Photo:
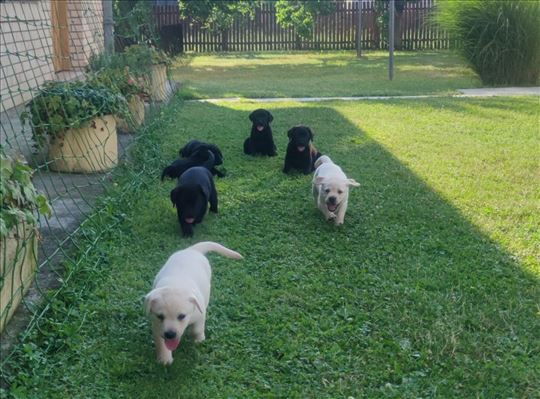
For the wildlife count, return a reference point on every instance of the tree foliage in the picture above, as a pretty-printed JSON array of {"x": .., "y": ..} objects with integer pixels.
[
  {"x": 218, "y": 15},
  {"x": 133, "y": 21},
  {"x": 215, "y": 14},
  {"x": 300, "y": 14}
]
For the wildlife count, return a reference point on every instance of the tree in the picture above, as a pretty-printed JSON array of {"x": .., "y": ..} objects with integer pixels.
[
  {"x": 216, "y": 15},
  {"x": 382, "y": 10},
  {"x": 300, "y": 14},
  {"x": 133, "y": 21}
]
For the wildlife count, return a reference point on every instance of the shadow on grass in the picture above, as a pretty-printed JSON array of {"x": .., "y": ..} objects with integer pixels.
[
  {"x": 415, "y": 299},
  {"x": 407, "y": 299}
]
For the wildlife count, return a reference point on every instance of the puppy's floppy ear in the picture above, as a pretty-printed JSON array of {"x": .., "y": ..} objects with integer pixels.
[
  {"x": 310, "y": 132},
  {"x": 290, "y": 132},
  {"x": 270, "y": 116},
  {"x": 149, "y": 301},
  {"x": 352, "y": 183},
  {"x": 318, "y": 180},
  {"x": 174, "y": 194},
  {"x": 205, "y": 191},
  {"x": 252, "y": 116},
  {"x": 193, "y": 299}
]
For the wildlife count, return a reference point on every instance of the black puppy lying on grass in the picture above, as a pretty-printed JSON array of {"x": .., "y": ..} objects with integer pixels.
[
  {"x": 195, "y": 153},
  {"x": 194, "y": 190},
  {"x": 195, "y": 146},
  {"x": 301, "y": 153},
  {"x": 201, "y": 157},
  {"x": 260, "y": 141}
]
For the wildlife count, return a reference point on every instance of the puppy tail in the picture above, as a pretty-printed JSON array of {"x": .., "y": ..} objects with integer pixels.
[
  {"x": 322, "y": 159},
  {"x": 209, "y": 246}
]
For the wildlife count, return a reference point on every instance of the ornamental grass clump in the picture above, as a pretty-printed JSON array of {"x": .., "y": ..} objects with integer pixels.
[{"x": 500, "y": 39}]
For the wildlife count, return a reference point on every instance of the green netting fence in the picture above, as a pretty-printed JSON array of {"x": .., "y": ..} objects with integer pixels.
[{"x": 69, "y": 116}]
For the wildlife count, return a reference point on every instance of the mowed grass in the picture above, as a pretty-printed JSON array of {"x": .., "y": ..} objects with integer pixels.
[
  {"x": 430, "y": 289},
  {"x": 324, "y": 74}
]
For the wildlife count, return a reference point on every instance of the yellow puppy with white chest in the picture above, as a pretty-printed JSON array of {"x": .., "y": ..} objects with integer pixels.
[
  {"x": 330, "y": 188},
  {"x": 180, "y": 296}
]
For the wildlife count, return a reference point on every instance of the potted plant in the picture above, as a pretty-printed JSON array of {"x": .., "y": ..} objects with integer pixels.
[
  {"x": 131, "y": 87},
  {"x": 21, "y": 206},
  {"x": 150, "y": 62},
  {"x": 76, "y": 120}
]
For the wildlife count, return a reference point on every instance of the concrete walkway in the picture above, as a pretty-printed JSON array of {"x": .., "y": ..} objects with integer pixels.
[{"x": 486, "y": 92}]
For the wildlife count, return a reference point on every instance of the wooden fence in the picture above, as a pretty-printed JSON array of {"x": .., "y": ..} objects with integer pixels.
[{"x": 336, "y": 31}]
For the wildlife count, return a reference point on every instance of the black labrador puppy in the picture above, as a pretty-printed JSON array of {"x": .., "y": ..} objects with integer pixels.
[
  {"x": 301, "y": 153},
  {"x": 191, "y": 196},
  {"x": 260, "y": 141},
  {"x": 201, "y": 157},
  {"x": 194, "y": 146}
]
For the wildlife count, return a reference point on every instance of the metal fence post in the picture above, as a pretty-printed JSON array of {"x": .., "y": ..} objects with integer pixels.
[
  {"x": 108, "y": 26},
  {"x": 359, "y": 29},
  {"x": 391, "y": 40}
]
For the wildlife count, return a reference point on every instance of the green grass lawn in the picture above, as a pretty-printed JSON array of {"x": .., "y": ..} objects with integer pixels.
[
  {"x": 320, "y": 74},
  {"x": 430, "y": 289}
]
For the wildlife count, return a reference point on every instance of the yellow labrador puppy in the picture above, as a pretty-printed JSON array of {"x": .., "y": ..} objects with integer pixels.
[
  {"x": 331, "y": 189},
  {"x": 180, "y": 296}
]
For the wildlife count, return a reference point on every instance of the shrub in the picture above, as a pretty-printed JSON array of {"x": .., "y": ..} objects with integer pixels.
[
  {"x": 141, "y": 57},
  {"x": 122, "y": 81},
  {"x": 19, "y": 198},
  {"x": 500, "y": 39},
  {"x": 64, "y": 105}
]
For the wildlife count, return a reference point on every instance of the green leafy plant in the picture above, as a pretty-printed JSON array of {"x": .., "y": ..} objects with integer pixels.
[
  {"x": 133, "y": 20},
  {"x": 145, "y": 55},
  {"x": 64, "y": 105},
  {"x": 100, "y": 61},
  {"x": 301, "y": 14},
  {"x": 20, "y": 200},
  {"x": 122, "y": 81},
  {"x": 500, "y": 39},
  {"x": 216, "y": 15}
]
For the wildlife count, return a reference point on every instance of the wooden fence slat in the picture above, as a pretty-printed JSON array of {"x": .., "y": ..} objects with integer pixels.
[{"x": 334, "y": 31}]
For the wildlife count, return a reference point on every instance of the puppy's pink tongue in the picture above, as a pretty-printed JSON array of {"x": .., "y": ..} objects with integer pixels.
[
  {"x": 172, "y": 344},
  {"x": 260, "y": 128},
  {"x": 190, "y": 220},
  {"x": 301, "y": 148},
  {"x": 332, "y": 208}
]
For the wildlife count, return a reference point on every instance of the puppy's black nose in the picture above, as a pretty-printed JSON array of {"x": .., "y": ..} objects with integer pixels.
[
  {"x": 169, "y": 334},
  {"x": 332, "y": 200}
]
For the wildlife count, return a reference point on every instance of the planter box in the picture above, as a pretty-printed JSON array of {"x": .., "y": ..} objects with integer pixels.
[
  {"x": 158, "y": 82},
  {"x": 93, "y": 148},
  {"x": 136, "y": 109},
  {"x": 18, "y": 260}
]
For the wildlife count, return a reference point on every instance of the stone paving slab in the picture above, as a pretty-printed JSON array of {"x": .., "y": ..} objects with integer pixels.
[
  {"x": 501, "y": 91},
  {"x": 486, "y": 92}
]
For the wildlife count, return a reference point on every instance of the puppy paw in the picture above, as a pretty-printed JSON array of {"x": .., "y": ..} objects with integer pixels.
[
  {"x": 187, "y": 232},
  {"x": 165, "y": 358},
  {"x": 199, "y": 338}
]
